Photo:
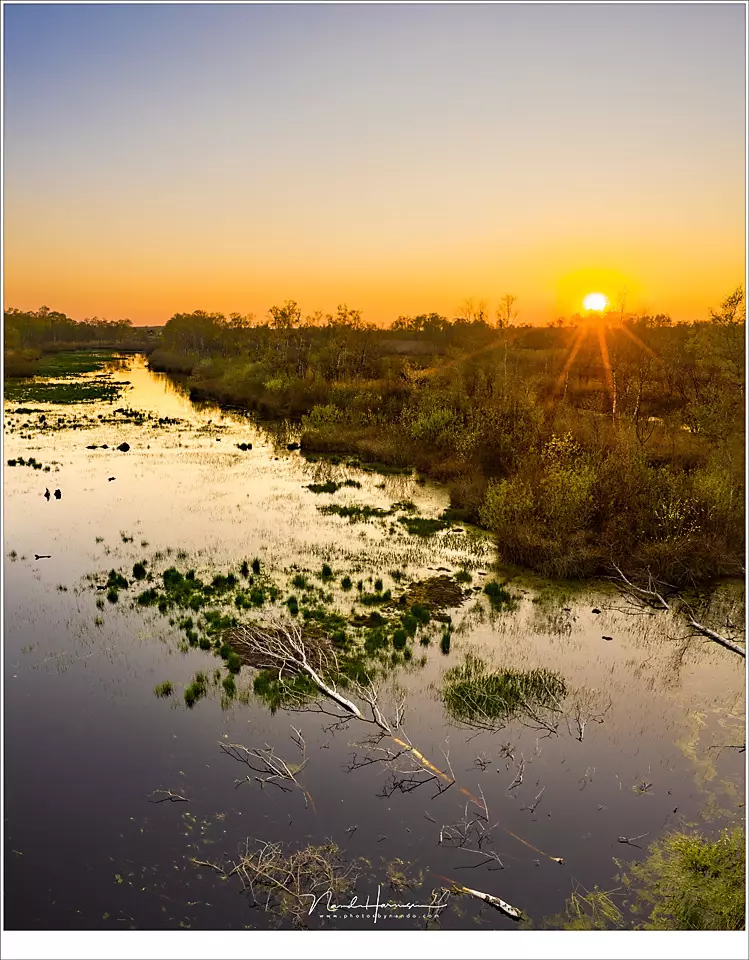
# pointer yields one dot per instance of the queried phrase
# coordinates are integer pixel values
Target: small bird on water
(42, 556)
(112, 478)
(47, 494)
(58, 494)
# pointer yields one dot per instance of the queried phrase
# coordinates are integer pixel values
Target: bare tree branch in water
(649, 596)
(653, 596)
(288, 883)
(471, 836)
(265, 761)
(168, 795)
(281, 646)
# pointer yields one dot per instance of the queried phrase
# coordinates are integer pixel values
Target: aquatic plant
(165, 689)
(354, 513)
(499, 596)
(422, 526)
(478, 696)
(688, 882)
(139, 570)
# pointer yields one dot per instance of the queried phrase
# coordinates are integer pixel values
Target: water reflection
(89, 742)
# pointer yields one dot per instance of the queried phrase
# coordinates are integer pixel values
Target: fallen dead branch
(268, 767)
(653, 596)
(712, 635)
(489, 898)
(647, 595)
(172, 797)
(289, 883)
(280, 645)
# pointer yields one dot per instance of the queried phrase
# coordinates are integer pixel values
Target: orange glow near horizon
(189, 172)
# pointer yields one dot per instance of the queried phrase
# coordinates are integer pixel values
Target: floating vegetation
(84, 391)
(165, 689)
(423, 526)
(354, 513)
(71, 363)
(477, 696)
(139, 570)
(407, 506)
(331, 486)
(435, 593)
(197, 689)
(116, 580)
(28, 462)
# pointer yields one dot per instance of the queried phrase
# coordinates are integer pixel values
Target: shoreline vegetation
(614, 439)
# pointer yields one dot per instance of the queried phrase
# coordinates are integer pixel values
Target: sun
(596, 301)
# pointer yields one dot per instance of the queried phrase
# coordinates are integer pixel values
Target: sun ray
(635, 339)
(606, 362)
(576, 344)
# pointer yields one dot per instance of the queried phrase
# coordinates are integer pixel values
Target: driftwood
(489, 898)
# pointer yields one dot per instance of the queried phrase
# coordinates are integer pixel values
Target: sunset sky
(400, 158)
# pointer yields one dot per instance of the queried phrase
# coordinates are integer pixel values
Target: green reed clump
(474, 694)
(346, 583)
(293, 604)
(148, 598)
(116, 580)
(139, 570)
(165, 689)
(354, 513)
(422, 526)
(499, 596)
(196, 690)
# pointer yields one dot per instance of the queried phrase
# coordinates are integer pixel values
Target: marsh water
(88, 743)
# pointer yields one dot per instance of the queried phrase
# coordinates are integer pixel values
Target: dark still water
(89, 745)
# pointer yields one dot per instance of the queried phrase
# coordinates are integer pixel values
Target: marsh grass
(423, 526)
(475, 695)
(85, 391)
(165, 689)
(688, 882)
(354, 513)
(499, 596)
